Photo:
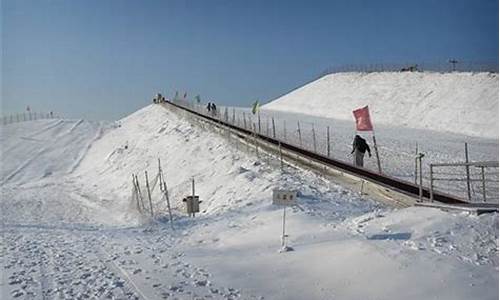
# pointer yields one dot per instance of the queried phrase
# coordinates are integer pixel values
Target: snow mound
(225, 179)
(43, 148)
(464, 103)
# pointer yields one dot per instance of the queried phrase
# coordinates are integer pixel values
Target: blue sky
(104, 59)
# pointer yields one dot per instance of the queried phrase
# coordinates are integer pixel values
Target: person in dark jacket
(214, 109)
(359, 147)
(209, 106)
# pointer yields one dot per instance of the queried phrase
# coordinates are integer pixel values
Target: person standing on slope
(214, 109)
(359, 147)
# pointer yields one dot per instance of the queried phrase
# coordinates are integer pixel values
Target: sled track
(380, 179)
(130, 287)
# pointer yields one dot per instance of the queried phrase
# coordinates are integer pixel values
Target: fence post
(431, 187)
(314, 138)
(140, 193)
(149, 193)
(328, 141)
(467, 171)
(420, 191)
(136, 194)
(284, 130)
(255, 141)
(300, 136)
(281, 156)
(376, 153)
(267, 126)
(258, 118)
(163, 188)
(234, 116)
(274, 128)
(484, 183)
(244, 120)
(416, 154)
(193, 194)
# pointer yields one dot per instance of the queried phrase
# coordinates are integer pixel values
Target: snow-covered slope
(347, 246)
(464, 103)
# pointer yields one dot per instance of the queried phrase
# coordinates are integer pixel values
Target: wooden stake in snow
(149, 194)
(136, 194)
(140, 193)
(164, 190)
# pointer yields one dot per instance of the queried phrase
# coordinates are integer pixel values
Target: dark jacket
(360, 144)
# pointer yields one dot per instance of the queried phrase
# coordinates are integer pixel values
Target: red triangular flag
(363, 122)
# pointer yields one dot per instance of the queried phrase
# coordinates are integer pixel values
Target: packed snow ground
(463, 103)
(70, 229)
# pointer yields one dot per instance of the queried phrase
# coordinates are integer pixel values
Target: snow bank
(464, 103)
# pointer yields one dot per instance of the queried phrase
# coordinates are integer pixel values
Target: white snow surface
(70, 228)
(463, 103)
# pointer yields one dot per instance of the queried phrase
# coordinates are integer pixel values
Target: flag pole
(376, 151)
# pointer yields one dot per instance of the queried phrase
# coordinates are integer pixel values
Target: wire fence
(26, 116)
(451, 65)
(333, 138)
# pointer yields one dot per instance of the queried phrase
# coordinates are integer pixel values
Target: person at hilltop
(209, 106)
(359, 147)
(214, 108)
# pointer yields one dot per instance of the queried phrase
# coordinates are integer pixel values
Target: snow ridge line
(74, 126)
(22, 166)
(46, 128)
(82, 154)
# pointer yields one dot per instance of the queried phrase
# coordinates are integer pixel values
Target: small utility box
(192, 204)
(284, 197)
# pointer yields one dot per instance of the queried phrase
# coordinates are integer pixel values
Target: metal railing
(26, 116)
(326, 147)
(479, 179)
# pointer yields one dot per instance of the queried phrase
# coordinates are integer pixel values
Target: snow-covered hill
(70, 228)
(464, 103)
